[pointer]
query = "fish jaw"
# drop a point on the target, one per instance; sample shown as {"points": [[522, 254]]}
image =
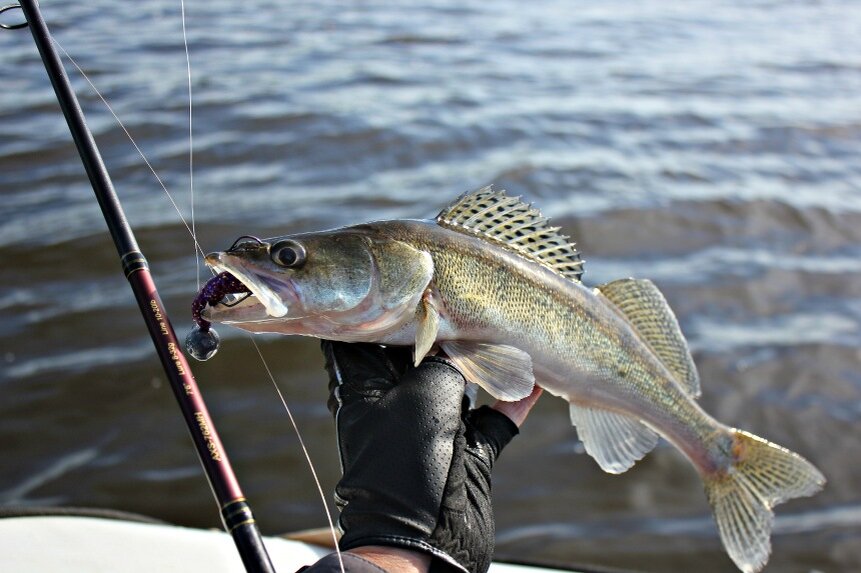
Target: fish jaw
{"points": [[261, 287], [265, 303], [350, 286]]}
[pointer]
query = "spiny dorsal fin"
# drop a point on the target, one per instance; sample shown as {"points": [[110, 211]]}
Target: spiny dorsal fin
{"points": [[647, 310], [520, 227]]}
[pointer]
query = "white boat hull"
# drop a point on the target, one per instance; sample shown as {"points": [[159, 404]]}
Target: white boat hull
{"points": [[94, 545]]}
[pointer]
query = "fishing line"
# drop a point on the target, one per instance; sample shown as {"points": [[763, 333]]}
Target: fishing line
{"points": [[304, 450], [199, 251], [190, 143], [197, 246], [193, 232]]}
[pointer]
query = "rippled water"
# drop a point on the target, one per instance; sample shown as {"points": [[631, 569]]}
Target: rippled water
{"points": [[714, 147]]}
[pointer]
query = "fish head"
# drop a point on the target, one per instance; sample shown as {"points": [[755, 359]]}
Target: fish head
{"points": [[346, 284]]}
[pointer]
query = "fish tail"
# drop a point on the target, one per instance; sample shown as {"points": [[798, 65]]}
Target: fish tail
{"points": [[759, 476]]}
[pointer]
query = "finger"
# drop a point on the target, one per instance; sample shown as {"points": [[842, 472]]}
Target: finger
{"points": [[517, 411]]}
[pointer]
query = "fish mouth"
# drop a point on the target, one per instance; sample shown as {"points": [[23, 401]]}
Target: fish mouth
{"points": [[260, 291]]}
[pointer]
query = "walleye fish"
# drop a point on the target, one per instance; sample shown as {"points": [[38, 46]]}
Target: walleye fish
{"points": [[499, 290]]}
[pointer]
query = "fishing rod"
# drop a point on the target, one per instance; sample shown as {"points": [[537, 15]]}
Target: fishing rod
{"points": [[236, 513]]}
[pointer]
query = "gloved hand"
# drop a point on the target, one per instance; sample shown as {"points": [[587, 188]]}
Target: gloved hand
{"points": [[416, 461]]}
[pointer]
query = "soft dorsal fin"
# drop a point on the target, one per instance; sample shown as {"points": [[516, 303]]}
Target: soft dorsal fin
{"points": [[494, 216], [647, 310]]}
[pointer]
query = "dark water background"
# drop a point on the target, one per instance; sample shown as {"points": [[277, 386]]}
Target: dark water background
{"points": [[712, 146]]}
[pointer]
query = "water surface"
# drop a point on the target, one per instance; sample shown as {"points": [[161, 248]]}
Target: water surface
{"points": [[711, 146]]}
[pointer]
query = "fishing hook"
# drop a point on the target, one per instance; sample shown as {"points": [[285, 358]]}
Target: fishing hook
{"points": [[233, 247], [23, 24], [242, 297], [238, 241]]}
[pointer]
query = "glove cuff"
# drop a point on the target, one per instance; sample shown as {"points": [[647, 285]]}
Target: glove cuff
{"points": [[442, 561], [493, 427]]}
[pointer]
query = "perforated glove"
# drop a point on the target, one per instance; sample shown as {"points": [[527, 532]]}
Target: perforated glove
{"points": [[416, 461]]}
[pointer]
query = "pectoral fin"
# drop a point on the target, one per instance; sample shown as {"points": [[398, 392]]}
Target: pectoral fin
{"points": [[614, 440], [427, 328], [505, 372]]}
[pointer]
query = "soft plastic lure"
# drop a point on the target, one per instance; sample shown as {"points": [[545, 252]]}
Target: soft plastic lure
{"points": [[202, 342]]}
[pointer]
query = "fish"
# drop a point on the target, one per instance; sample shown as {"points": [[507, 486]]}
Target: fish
{"points": [[498, 289]]}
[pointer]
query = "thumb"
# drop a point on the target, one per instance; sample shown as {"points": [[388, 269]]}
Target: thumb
{"points": [[491, 428], [517, 411]]}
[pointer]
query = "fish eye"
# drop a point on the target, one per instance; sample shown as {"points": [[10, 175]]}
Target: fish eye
{"points": [[288, 253]]}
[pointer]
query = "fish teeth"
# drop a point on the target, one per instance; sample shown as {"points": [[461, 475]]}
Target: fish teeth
{"points": [[275, 307]]}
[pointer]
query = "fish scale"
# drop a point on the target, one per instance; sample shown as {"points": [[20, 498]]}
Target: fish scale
{"points": [[586, 344], [498, 289]]}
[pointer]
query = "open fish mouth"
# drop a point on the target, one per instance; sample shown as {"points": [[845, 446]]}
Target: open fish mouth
{"points": [[259, 290], [232, 295]]}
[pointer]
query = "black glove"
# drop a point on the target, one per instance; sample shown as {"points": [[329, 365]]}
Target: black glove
{"points": [[416, 461]]}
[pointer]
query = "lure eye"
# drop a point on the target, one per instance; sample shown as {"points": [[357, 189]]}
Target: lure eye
{"points": [[288, 253]]}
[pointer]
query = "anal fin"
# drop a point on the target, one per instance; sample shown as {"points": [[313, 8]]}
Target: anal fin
{"points": [[505, 372], [614, 440]]}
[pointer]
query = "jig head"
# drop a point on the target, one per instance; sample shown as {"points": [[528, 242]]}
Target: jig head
{"points": [[202, 342]]}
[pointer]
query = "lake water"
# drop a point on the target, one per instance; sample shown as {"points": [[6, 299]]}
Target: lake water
{"points": [[711, 146]]}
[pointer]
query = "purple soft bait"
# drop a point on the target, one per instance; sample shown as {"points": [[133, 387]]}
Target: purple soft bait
{"points": [[202, 342]]}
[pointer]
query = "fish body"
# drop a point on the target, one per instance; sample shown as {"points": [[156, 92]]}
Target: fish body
{"points": [[498, 289], [581, 348]]}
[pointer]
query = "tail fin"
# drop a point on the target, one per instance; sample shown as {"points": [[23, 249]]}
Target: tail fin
{"points": [[761, 475]]}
